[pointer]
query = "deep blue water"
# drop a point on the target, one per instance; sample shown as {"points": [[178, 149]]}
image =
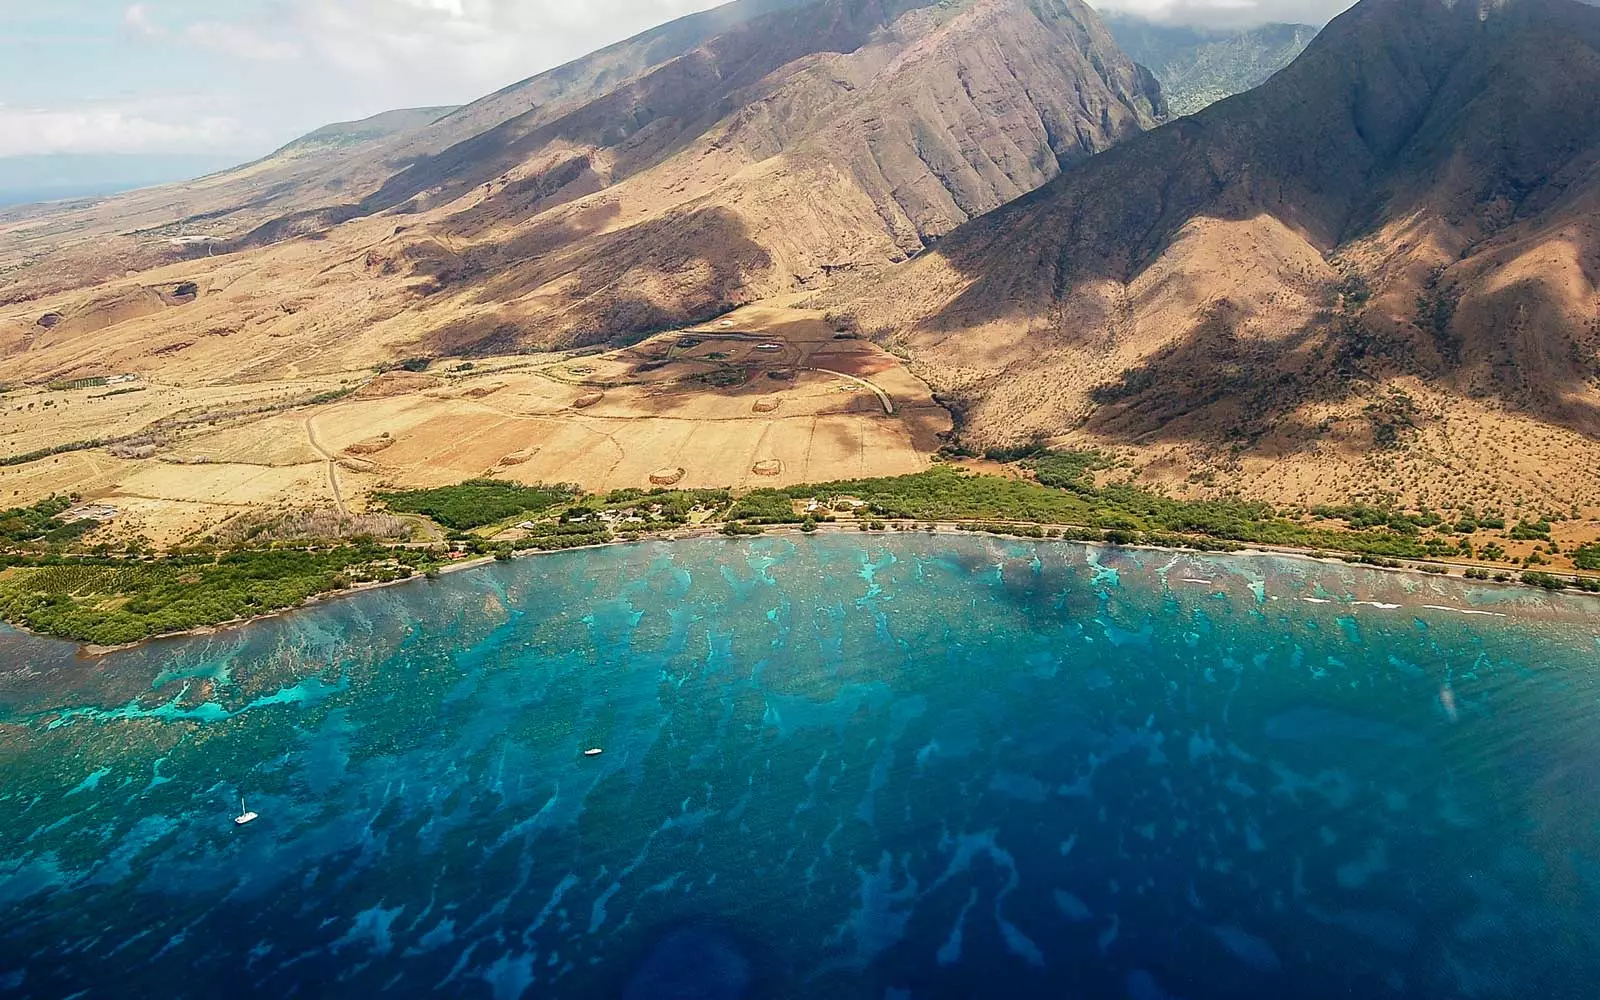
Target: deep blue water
{"points": [[887, 767]]}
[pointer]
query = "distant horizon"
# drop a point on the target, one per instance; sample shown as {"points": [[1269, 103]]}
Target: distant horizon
{"points": [[37, 178]]}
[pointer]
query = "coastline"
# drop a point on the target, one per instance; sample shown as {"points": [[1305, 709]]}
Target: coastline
{"points": [[958, 528], [92, 650]]}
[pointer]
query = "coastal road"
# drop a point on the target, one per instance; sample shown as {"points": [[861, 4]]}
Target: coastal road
{"points": [[333, 466]]}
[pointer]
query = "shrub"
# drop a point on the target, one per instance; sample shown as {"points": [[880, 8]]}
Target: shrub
{"points": [[478, 502], [765, 507], [1527, 531]]}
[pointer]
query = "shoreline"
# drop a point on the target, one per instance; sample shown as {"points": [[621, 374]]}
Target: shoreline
{"points": [[958, 528]]}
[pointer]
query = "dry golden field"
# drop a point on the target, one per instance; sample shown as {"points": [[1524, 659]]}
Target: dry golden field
{"points": [[764, 397]]}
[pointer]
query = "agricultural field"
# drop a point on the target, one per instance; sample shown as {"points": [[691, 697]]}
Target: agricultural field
{"points": [[765, 397]]}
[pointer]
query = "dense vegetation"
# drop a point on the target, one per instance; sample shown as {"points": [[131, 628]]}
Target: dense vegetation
{"points": [[1362, 516], [1134, 514], [41, 523], [548, 537], [668, 505], [478, 502], [1199, 66], [1587, 556], [111, 601], [765, 507]]}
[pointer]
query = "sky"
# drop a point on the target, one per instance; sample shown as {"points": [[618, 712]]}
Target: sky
{"points": [[238, 78]]}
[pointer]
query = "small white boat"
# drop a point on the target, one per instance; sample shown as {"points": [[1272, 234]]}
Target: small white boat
{"points": [[595, 752], [245, 816]]}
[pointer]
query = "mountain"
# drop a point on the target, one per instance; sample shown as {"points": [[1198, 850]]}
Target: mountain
{"points": [[46, 251], [1375, 273], [801, 142], [345, 136], [798, 145], [1200, 66], [99, 234]]}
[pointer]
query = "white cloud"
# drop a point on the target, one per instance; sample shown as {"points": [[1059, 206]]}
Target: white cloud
{"points": [[434, 51], [139, 20], [255, 74], [111, 129], [241, 42]]}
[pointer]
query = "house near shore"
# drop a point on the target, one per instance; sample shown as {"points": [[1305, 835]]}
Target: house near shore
{"points": [[102, 513]]}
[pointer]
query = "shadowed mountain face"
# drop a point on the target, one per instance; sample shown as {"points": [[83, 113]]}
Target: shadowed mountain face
{"points": [[1198, 66], [1414, 201]]}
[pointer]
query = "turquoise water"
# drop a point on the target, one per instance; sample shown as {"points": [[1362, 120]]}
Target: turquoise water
{"points": [[887, 767]]}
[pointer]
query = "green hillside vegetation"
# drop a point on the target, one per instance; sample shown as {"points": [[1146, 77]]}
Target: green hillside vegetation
{"points": [[1197, 66]]}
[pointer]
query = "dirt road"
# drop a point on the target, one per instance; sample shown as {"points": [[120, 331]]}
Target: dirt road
{"points": [[883, 397], [333, 466]]}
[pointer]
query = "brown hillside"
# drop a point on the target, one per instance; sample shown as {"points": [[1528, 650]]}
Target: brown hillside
{"points": [[1310, 281], [316, 179], [904, 122], [811, 139]]}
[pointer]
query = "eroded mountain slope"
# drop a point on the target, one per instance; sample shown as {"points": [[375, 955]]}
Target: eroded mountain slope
{"points": [[1310, 281], [318, 180], [805, 141]]}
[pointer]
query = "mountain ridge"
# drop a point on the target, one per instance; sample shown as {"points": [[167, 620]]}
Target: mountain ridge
{"points": [[836, 134], [1276, 276], [865, 172], [80, 245]]}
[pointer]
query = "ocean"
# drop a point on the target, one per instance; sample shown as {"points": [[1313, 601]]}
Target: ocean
{"points": [[890, 767]]}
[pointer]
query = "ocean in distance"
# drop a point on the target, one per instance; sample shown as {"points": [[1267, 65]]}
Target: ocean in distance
{"points": [[888, 767]]}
